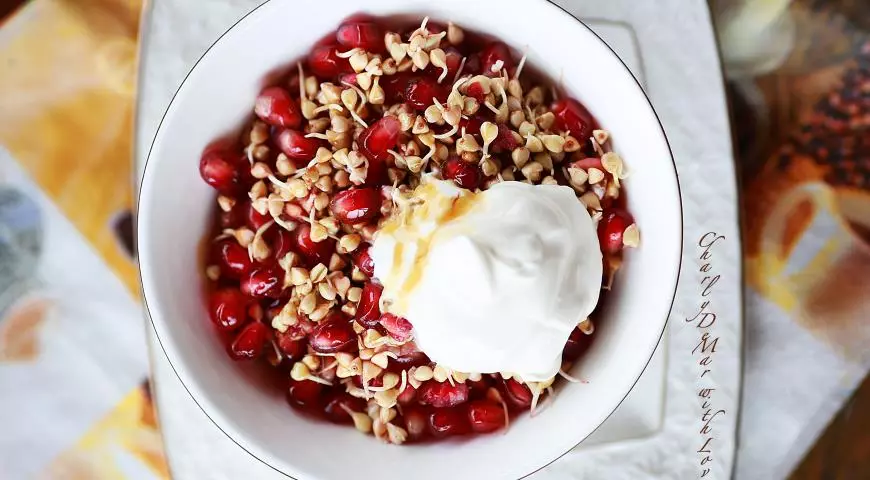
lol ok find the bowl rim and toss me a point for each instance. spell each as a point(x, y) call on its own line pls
point(678, 269)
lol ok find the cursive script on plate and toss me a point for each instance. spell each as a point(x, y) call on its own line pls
point(704, 321)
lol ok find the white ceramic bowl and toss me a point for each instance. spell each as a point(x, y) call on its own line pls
point(175, 207)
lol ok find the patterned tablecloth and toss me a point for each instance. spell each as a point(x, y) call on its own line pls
point(75, 400)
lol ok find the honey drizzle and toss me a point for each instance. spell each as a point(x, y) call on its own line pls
point(459, 206)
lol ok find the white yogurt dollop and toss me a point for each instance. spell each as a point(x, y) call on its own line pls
point(492, 281)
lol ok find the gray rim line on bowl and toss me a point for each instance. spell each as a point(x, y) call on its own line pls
point(670, 309)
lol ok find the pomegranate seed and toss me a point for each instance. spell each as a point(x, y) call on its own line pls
point(394, 87)
point(334, 403)
point(420, 92)
point(399, 328)
point(304, 394)
point(363, 260)
point(283, 243)
point(478, 389)
point(255, 218)
point(454, 60)
point(494, 52)
point(228, 308)
point(375, 143)
point(475, 90)
point(367, 36)
point(577, 344)
point(442, 394)
point(356, 206)
point(472, 65)
point(518, 394)
point(472, 124)
point(293, 349)
point(368, 312)
point(407, 356)
point(505, 140)
point(333, 335)
point(347, 78)
point(219, 168)
point(325, 62)
point(296, 146)
point(587, 163)
point(485, 416)
point(404, 362)
point(613, 223)
point(232, 258)
point(573, 117)
point(315, 252)
point(416, 422)
point(232, 219)
point(408, 395)
point(263, 282)
point(445, 422)
point(464, 174)
point(275, 107)
point(249, 343)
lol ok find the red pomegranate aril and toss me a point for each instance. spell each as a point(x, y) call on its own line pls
point(416, 422)
point(365, 35)
point(220, 170)
point(472, 124)
point(255, 218)
point(249, 342)
point(296, 145)
point(382, 136)
point(420, 93)
point(494, 52)
point(446, 422)
point(363, 260)
point(232, 219)
point(368, 311)
point(464, 174)
point(356, 206)
point(304, 394)
point(282, 243)
point(325, 62)
point(394, 86)
point(315, 252)
point(475, 90)
point(293, 349)
point(518, 394)
point(375, 143)
point(442, 394)
point(276, 107)
point(577, 344)
point(336, 405)
point(335, 335)
point(232, 258)
point(228, 308)
point(587, 163)
point(472, 65)
point(571, 116)
point(613, 223)
point(408, 395)
point(399, 328)
point(263, 282)
point(504, 140)
point(485, 416)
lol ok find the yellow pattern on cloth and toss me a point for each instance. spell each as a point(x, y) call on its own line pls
point(66, 114)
